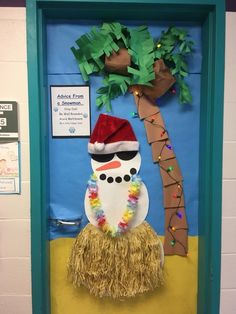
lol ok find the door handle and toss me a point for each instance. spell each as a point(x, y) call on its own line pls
point(66, 222)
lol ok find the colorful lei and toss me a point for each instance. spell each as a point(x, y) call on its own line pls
point(128, 215)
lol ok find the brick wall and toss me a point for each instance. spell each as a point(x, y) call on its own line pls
point(15, 270)
point(228, 268)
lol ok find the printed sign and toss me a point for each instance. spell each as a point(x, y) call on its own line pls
point(9, 168)
point(70, 108)
point(8, 120)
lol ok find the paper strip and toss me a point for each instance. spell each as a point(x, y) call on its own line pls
point(170, 172)
point(173, 196)
point(179, 234)
point(160, 148)
point(146, 108)
point(156, 130)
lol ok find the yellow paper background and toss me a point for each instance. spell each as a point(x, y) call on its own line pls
point(178, 296)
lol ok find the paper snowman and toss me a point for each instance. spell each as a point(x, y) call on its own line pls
point(115, 158)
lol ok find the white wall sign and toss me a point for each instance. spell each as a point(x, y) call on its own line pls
point(9, 168)
point(70, 108)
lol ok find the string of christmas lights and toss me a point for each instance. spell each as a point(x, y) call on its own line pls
point(172, 228)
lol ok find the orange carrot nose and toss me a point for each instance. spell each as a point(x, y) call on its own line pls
point(110, 165)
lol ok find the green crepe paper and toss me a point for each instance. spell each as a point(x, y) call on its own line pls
point(115, 85)
point(142, 56)
point(185, 96)
point(116, 30)
point(172, 47)
point(92, 47)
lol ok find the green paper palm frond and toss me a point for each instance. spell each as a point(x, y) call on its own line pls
point(142, 56)
point(118, 32)
point(115, 85)
point(173, 46)
point(92, 47)
point(185, 96)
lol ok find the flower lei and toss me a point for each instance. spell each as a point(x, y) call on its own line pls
point(128, 215)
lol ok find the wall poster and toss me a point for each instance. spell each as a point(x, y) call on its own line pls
point(9, 168)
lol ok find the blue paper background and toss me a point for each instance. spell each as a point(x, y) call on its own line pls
point(69, 162)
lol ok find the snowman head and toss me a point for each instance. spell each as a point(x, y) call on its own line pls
point(114, 149)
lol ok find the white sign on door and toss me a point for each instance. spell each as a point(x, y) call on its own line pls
point(70, 108)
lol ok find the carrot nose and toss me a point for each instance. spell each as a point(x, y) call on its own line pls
point(110, 165)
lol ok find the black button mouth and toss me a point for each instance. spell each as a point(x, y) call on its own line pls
point(110, 180)
point(118, 179)
point(127, 178)
point(103, 177)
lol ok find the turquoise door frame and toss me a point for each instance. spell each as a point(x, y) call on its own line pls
point(211, 13)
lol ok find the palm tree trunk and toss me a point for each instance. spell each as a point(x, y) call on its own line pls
point(176, 227)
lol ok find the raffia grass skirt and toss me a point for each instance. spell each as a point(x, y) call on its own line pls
point(116, 267)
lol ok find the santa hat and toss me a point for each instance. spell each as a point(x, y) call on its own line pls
point(111, 135)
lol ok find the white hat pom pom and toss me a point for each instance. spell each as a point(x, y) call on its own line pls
point(99, 146)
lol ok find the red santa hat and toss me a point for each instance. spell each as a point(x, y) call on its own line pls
point(111, 135)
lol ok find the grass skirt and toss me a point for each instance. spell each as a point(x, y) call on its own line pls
point(116, 267)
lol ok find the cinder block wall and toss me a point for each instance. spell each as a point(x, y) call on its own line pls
point(228, 273)
point(15, 270)
point(15, 292)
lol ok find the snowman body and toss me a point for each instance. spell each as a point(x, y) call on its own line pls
point(114, 179)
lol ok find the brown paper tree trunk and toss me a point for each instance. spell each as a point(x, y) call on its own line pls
point(176, 227)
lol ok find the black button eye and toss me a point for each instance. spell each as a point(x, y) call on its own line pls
point(133, 171)
point(102, 157)
point(127, 155)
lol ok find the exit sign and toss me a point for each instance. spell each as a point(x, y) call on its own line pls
point(8, 120)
